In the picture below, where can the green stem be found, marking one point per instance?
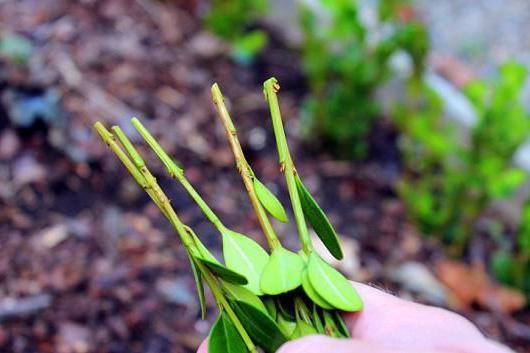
(224, 305)
(243, 167)
(270, 88)
(177, 173)
(144, 177)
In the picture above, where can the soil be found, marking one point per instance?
(87, 264)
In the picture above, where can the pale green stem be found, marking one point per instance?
(270, 88)
(142, 175)
(178, 173)
(244, 169)
(224, 305)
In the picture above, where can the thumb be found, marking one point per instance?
(324, 344)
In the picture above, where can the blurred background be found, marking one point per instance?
(408, 120)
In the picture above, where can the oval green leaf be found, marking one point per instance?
(287, 326)
(282, 272)
(332, 286)
(260, 327)
(269, 201)
(199, 285)
(245, 256)
(303, 329)
(312, 294)
(244, 295)
(223, 272)
(319, 221)
(224, 337)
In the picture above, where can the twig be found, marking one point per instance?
(243, 167)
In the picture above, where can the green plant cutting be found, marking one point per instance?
(265, 298)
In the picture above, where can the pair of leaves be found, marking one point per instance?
(260, 327)
(242, 294)
(328, 288)
(224, 337)
(246, 257)
(319, 221)
(282, 272)
(269, 201)
(204, 256)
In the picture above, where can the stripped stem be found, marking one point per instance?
(177, 173)
(270, 88)
(143, 176)
(243, 167)
(224, 305)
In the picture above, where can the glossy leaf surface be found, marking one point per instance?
(245, 256)
(260, 327)
(269, 201)
(242, 294)
(223, 272)
(312, 294)
(224, 337)
(282, 273)
(332, 286)
(319, 221)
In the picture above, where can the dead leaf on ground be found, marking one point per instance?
(471, 285)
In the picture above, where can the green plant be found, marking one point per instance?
(511, 263)
(448, 181)
(231, 20)
(344, 67)
(279, 296)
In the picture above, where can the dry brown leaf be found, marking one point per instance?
(471, 285)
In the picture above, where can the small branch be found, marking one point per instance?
(224, 305)
(270, 88)
(243, 167)
(177, 173)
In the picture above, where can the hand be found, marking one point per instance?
(388, 324)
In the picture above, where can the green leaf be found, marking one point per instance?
(303, 329)
(271, 306)
(269, 201)
(319, 220)
(244, 295)
(282, 273)
(332, 286)
(260, 327)
(200, 288)
(222, 271)
(287, 326)
(340, 324)
(317, 319)
(329, 324)
(224, 337)
(245, 256)
(201, 250)
(312, 294)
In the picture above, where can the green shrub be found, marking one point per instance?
(511, 263)
(231, 20)
(344, 68)
(448, 181)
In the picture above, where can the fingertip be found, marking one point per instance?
(311, 343)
